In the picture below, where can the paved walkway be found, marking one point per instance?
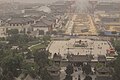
(98, 47)
(92, 26)
(70, 25)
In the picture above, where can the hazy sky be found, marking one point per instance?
(46, 1)
(31, 1)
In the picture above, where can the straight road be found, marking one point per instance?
(70, 25)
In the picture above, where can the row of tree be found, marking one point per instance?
(116, 64)
(70, 70)
(12, 65)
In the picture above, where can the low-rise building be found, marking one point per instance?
(103, 73)
(42, 27)
(20, 23)
(79, 59)
(54, 72)
(108, 6)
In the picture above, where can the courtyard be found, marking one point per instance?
(94, 47)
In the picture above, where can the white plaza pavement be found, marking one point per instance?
(98, 47)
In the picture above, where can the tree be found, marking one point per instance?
(30, 68)
(45, 75)
(19, 38)
(87, 69)
(88, 78)
(46, 39)
(8, 76)
(68, 77)
(116, 74)
(12, 64)
(41, 32)
(12, 31)
(41, 58)
(69, 70)
(116, 44)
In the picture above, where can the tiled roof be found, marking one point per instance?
(101, 58)
(20, 20)
(104, 78)
(50, 18)
(53, 68)
(57, 58)
(47, 21)
(103, 69)
(39, 24)
(79, 58)
(44, 22)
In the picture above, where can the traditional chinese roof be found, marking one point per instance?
(47, 21)
(57, 57)
(101, 58)
(103, 69)
(19, 20)
(79, 58)
(104, 78)
(43, 23)
(39, 24)
(50, 18)
(53, 68)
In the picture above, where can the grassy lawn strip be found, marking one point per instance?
(38, 46)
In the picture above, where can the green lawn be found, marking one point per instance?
(37, 47)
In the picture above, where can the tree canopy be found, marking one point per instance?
(69, 69)
(116, 74)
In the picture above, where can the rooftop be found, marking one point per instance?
(43, 23)
(53, 68)
(79, 58)
(19, 20)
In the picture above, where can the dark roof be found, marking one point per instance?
(3, 18)
(108, 6)
(50, 17)
(19, 20)
(103, 69)
(47, 21)
(79, 58)
(35, 17)
(43, 23)
(104, 78)
(57, 58)
(53, 68)
(39, 24)
(101, 58)
(34, 12)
